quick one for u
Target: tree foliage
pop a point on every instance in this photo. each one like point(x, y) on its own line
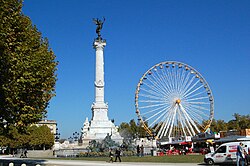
point(239, 122)
point(131, 130)
point(27, 68)
point(35, 138)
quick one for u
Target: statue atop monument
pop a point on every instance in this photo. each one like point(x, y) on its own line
point(99, 24)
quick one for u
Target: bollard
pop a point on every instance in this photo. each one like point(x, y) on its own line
point(23, 165)
point(11, 164)
point(38, 165)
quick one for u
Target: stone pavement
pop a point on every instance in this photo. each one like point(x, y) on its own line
point(53, 162)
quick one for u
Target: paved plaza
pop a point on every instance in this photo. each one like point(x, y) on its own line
point(52, 162)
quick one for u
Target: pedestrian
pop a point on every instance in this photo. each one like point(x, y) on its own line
point(25, 153)
point(118, 154)
point(246, 154)
point(142, 151)
point(138, 150)
point(111, 155)
point(239, 155)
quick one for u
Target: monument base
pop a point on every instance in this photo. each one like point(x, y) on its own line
point(97, 130)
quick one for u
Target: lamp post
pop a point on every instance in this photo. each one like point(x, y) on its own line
point(57, 135)
point(76, 136)
point(70, 139)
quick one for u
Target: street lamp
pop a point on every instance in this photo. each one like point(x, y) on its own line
point(70, 139)
point(76, 136)
point(57, 135)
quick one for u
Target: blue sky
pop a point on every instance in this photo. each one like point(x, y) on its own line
point(211, 36)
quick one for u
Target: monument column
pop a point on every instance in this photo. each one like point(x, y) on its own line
point(99, 108)
point(99, 71)
point(100, 126)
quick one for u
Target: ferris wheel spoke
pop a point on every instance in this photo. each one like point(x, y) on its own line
point(166, 126)
point(174, 79)
point(187, 78)
point(162, 81)
point(150, 106)
point(198, 111)
point(190, 88)
point(153, 91)
point(185, 122)
point(158, 81)
point(198, 98)
point(166, 122)
point(189, 127)
point(196, 117)
point(193, 91)
point(163, 119)
point(196, 94)
point(188, 84)
point(156, 86)
point(190, 120)
point(163, 113)
point(201, 109)
point(146, 112)
point(165, 81)
point(169, 79)
point(194, 102)
point(183, 76)
point(172, 122)
point(152, 116)
point(153, 86)
point(182, 123)
point(179, 78)
point(151, 96)
point(152, 101)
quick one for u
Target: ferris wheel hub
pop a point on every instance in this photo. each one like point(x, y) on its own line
point(178, 101)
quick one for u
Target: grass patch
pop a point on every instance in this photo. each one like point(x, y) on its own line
point(156, 159)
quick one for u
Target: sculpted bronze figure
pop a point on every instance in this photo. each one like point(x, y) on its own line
point(99, 24)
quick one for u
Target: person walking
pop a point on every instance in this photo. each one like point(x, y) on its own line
point(111, 155)
point(25, 153)
point(142, 151)
point(118, 154)
point(239, 155)
point(138, 150)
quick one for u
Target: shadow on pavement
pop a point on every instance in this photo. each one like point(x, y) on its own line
point(19, 162)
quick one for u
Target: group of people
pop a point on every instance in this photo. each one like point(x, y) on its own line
point(140, 150)
point(117, 155)
point(241, 155)
point(24, 154)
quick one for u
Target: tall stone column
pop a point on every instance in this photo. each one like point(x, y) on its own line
point(99, 107)
point(100, 126)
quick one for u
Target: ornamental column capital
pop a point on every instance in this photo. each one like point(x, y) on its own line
point(99, 44)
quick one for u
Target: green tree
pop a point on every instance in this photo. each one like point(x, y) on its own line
point(125, 130)
point(27, 69)
point(239, 122)
point(41, 137)
point(218, 125)
point(131, 130)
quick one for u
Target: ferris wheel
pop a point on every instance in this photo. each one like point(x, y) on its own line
point(173, 100)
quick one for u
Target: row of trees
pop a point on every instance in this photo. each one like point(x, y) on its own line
point(36, 137)
point(132, 130)
point(237, 123)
